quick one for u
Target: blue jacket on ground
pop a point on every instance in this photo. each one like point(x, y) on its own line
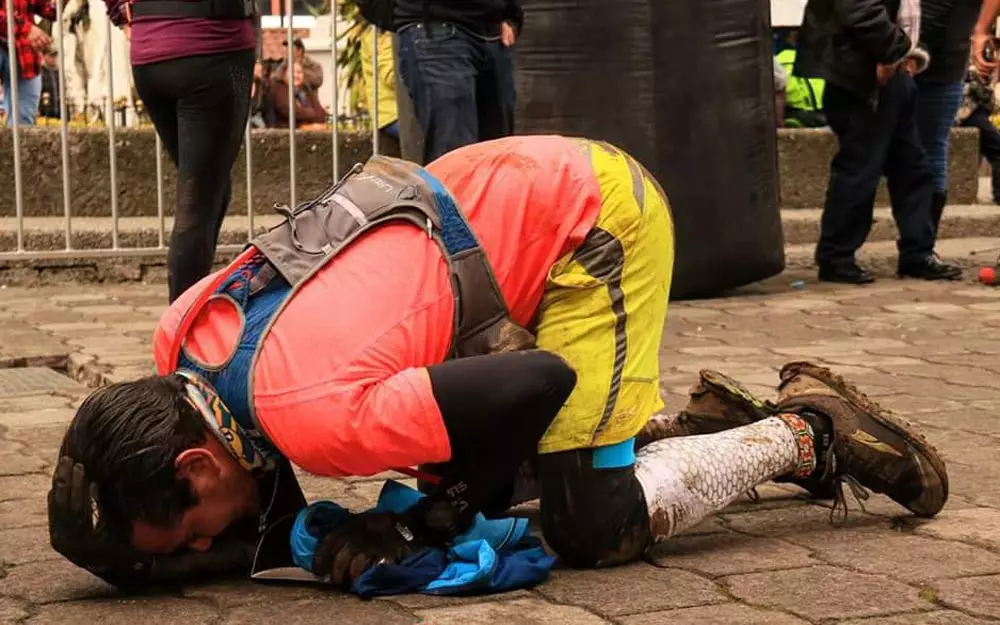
point(495, 555)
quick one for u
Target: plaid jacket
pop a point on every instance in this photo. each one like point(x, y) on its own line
point(29, 62)
point(978, 93)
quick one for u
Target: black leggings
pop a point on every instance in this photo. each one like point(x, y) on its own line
point(495, 409)
point(592, 517)
point(199, 105)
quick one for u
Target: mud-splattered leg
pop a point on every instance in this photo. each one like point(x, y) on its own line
point(686, 479)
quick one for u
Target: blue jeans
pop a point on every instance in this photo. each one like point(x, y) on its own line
point(28, 93)
point(462, 86)
point(937, 104)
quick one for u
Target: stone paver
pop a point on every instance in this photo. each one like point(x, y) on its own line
point(905, 557)
point(979, 596)
point(11, 611)
point(927, 351)
point(17, 514)
point(977, 526)
point(24, 545)
point(726, 554)
point(16, 459)
point(521, 612)
point(30, 486)
point(825, 592)
point(52, 581)
point(938, 617)
point(163, 611)
point(322, 609)
point(47, 416)
point(637, 588)
point(725, 614)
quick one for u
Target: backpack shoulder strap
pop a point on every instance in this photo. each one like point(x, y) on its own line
point(390, 190)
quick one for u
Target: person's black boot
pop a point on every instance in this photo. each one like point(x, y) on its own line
point(845, 273)
point(930, 267)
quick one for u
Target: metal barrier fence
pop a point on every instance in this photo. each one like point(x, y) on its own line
point(68, 251)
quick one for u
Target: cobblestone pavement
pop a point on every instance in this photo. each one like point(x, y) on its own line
point(925, 350)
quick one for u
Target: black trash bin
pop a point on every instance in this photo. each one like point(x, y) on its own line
point(688, 89)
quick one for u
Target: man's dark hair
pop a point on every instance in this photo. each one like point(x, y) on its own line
point(127, 436)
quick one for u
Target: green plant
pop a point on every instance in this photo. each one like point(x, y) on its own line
point(349, 57)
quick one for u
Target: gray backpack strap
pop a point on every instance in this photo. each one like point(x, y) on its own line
point(387, 190)
point(484, 325)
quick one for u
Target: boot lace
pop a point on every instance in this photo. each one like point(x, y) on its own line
point(840, 509)
point(839, 512)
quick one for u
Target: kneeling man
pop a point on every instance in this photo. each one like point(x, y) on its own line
point(502, 307)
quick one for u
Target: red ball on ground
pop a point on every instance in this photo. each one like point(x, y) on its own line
point(987, 275)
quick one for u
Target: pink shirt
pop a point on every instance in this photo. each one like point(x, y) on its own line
point(155, 40)
point(161, 39)
point(340, 386)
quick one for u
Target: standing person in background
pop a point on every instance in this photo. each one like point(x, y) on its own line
point(388, 115)
point(456, 61)
point(192, 61)
point(945, 26)
point(803, 96)
point(30, 43)
point(867, 52)
point(977, 107)
point(48, 105)
point(780, 89)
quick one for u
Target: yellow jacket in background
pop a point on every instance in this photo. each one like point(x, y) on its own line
point(386, 76)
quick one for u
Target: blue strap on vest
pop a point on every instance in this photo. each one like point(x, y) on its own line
point(454, 231)
point(231, 380)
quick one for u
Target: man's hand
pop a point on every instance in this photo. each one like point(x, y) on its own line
point(367, 539)
point(38, 40)
point(983, 56)
point(885, 72)
point(75, 530)
point(507, 34)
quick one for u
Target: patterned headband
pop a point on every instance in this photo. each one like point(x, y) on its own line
point(251, 455)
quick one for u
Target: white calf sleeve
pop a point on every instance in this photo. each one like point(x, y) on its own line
point(689, 478)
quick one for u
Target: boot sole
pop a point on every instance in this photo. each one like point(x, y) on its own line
point(935, 278)
point(687, 423)
point(726, 386)
point(883, 416)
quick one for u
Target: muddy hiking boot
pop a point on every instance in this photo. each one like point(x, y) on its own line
point(868, 446)
point(717, 403)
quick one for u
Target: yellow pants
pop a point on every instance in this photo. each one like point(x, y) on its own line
point(605, 305)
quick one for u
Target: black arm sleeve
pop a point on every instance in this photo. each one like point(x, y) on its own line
point(495, 409)
point(869, 25)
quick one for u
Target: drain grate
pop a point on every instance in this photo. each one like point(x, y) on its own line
point(35, 380)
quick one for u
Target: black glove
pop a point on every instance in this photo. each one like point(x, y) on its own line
point(85, 541)
point(372, 538)
point(368, 539)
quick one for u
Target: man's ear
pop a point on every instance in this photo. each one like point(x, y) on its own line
point(199, 466)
